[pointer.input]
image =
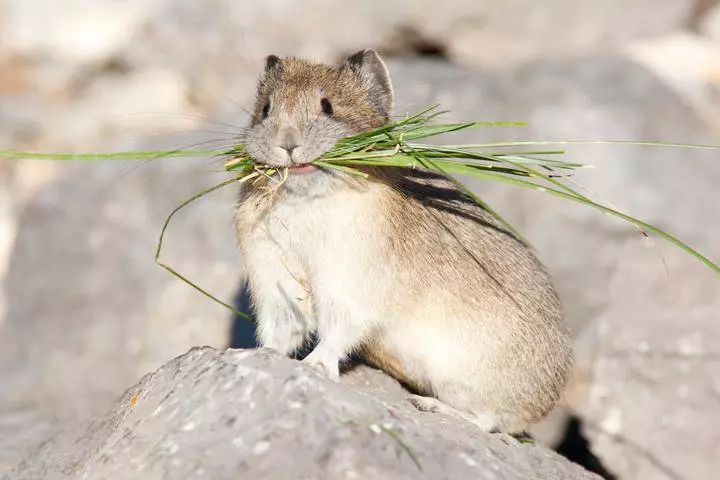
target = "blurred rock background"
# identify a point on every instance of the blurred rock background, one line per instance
(84, 311)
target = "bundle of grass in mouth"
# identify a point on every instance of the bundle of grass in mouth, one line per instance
(398, 144)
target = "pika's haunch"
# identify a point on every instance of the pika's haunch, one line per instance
(402, 267)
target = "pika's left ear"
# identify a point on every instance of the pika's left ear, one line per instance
(273, 64)
(371, 69)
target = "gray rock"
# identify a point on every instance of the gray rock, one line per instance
(219, 44)
(689, 63)
(254, 414)
(482, 32)
(653, 402)
(710, 23)
(505, 33)
(59, 30)
(70, 31)
(88, 311)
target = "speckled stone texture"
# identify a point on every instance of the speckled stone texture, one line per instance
(254, 414)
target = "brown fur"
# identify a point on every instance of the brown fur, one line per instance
(460, 308)
(379, 356)
(350, 100)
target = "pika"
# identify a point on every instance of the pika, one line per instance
(402, 267)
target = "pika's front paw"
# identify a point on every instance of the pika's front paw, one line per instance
(326, 364)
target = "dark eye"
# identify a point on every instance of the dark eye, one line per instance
(326, 106)
(266, 110)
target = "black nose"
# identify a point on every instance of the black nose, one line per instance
(289, 146)
(289, 140)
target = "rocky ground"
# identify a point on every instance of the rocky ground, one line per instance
(85, 313)
(254, 414)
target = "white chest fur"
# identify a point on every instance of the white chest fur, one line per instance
(309, 254)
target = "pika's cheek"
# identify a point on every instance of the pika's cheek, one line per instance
(258, 145)
(320, 138)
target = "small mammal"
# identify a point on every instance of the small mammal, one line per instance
(402, 268)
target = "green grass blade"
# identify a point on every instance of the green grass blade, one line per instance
(139, 155)
(403, 444)
(610, 211)
(537, 174)
(426, 131)
(341, 168)
(456, 152)
(244, 165)
(161, 239)
(393, 434)
(588, 142)
(542, 162)
(558, 184)
(433, 165)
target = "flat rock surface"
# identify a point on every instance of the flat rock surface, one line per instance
(253, 414)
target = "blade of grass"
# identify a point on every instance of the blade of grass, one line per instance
(561, 185)
(426, 131)
(161, 239)
(610, 211)
(342, 168)
(407, 161)
(393, 434)
(433, 165)
(139, 155)
(403, 444)
(588, 142)
(388, 146)
(467, 153)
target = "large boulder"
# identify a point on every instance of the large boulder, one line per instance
(87, 310)
(254, 414)
(60, 31)
(218, 44)
(653, 400)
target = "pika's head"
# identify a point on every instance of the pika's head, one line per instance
(304, 108)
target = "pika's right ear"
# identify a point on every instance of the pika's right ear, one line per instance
(273, 63)
(368, 65)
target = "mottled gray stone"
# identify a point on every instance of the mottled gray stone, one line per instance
(254, 414)
(710, 23)
(87, 310)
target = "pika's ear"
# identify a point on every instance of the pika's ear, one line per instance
(273, 63)
(371, 69)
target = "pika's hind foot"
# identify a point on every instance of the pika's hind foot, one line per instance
(483, 421)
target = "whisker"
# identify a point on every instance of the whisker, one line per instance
(238, 104)
(190, 117)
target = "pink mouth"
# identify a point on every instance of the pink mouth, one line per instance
(306, 168)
